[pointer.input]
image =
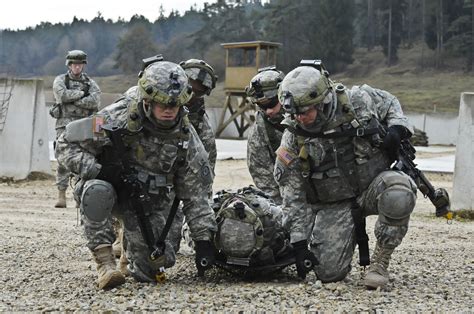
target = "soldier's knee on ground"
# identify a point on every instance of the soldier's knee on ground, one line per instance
(397, 201)
(98, 199)
(330, 272)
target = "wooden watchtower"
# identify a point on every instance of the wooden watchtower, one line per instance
(243, 59)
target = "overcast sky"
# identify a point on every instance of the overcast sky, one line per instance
(19, 14)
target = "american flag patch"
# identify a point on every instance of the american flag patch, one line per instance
(285, 156)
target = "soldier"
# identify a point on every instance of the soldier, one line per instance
(265, 136)
(150, 160)
(77, 96)
(203, 80)
(334, 170)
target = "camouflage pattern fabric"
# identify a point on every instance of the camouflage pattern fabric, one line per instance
(329, 226)
(155, 154)
(200, 120)
(263, 141)
(72, 101)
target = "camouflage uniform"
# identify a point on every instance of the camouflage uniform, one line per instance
(322, 178)
(201, 73)
(172, 162)
(263, 141)
(200, 121)
(75, 104)
(265, 135)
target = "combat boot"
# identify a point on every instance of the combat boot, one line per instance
(61, 203)
(117, 245)
(378, 275)
(108, 276)
(123, 263)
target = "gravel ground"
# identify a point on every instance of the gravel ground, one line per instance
(45, 266)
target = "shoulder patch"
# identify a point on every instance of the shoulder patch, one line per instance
(285, 156)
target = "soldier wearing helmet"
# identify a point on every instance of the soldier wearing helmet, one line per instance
(203, 80)
(77, 96)
(265, 136)
(334, 170)
(138, 159)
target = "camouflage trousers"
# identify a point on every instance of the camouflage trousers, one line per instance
(62, 173)
(333, 234)
(137, 250)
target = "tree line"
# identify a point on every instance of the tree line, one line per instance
(325, 29)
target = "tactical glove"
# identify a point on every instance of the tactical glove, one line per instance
(205, 256)
(391, 141)
(305, 259)
(86, 90)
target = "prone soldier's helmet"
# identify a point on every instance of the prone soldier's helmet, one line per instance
(201, 71)
(164, 83)
(263, 87)
(308, 86)
(76, 56)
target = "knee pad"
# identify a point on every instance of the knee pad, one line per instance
(397, 201)
(98, 199)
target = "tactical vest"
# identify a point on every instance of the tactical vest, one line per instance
(158, 184)
(342, 161)
(69, 110)
(272, 133)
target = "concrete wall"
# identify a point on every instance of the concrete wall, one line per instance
(24, 139)
(463, 185)
(441, 128)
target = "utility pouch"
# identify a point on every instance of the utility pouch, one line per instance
(55, 111)
(332, 186)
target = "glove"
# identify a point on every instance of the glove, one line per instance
(305, 259)
(86, 90)
(391, 141)
(205, 256)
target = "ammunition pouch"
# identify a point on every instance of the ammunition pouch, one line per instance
(347, 176)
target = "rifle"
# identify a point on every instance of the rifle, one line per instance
(138, 198)
(438, 196)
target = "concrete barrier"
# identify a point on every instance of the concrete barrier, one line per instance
(441, 128)
(463, 185)
(24, 138)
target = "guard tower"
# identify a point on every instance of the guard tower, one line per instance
(243, 59)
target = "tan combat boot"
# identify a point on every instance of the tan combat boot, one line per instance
(61, 203)
(108, 276)
(378, 275)
(117, 245)
(123, 262)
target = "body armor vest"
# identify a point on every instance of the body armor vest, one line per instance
(340, 167)
(69, 110)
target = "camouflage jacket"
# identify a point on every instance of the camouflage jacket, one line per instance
(70, 93)
(263, 141)
(200, 120)
(174, 162)
(292, 173)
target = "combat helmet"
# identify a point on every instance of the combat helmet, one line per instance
(201, 71)
(164, 83)
(76, 56)
(263, 87)
(308, 86)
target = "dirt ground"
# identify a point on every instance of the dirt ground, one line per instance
(45, 266)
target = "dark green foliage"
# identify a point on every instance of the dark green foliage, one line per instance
(308, 29)
(134, 46)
